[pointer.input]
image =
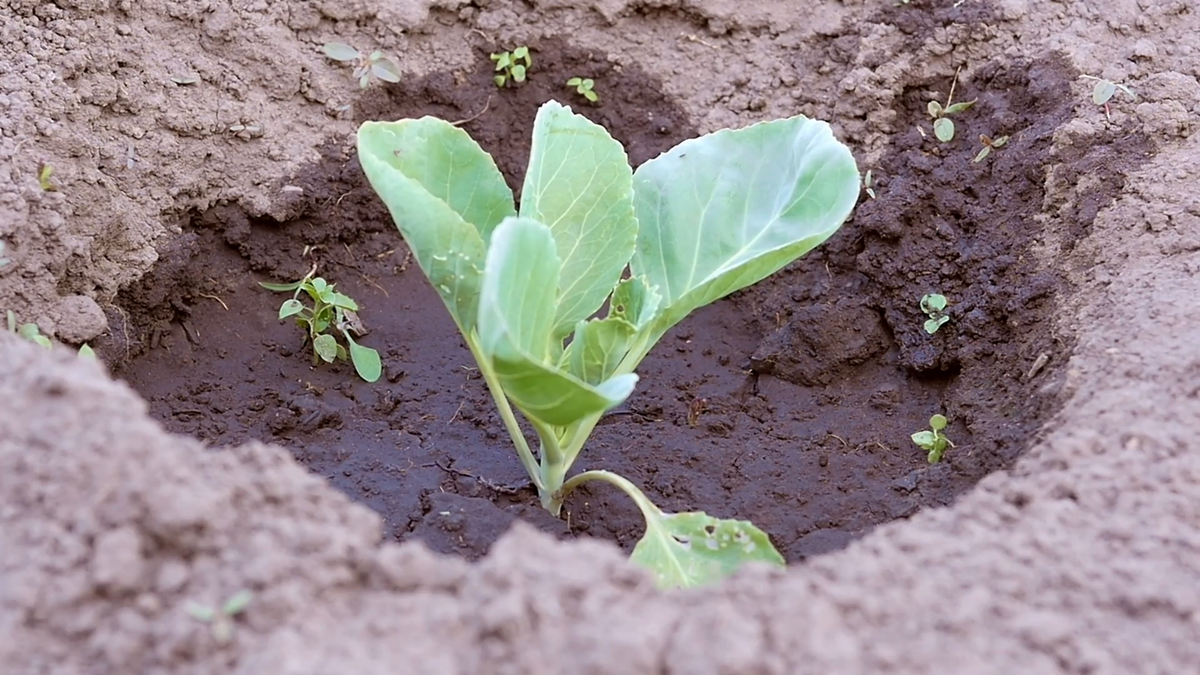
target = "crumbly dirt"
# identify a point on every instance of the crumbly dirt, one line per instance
(1077, 242)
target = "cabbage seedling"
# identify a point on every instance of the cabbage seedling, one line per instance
(585, 87)
(367, 69)
(330, 310)
(933, 440)
(541, 294)
(934, 306)
(512, 66)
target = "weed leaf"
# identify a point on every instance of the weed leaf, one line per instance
(281, 287)
(339, 51)
(326, 347)
(1103, 92)
(366, 360)
(943, 128)
(290, 307)
(386, 70)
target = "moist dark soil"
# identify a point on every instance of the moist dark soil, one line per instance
(790, 403)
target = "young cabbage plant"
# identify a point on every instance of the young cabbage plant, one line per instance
(526, 286)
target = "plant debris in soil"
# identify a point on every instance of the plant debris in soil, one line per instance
(791, 402)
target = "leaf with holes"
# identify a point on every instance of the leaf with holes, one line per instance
(540, 296)
(694, 549)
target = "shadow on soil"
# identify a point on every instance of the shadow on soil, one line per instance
(790, 403)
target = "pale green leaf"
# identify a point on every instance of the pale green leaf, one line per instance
(281, 287)
(86, 352)
(924, 439)
(724, 211)
(237, 603)
(199, 612)
(326, 347)
(1103, 92)
(598, 347)
(635, 301)
(517, 303)
(340, 51)
(290, 307)
(694, 549)
(340, 300)
(386, 70)
(937, 422)
(961, 106)
(516, 315)
(445, 195)
(943, 128)
(366, 360)
(579, 184)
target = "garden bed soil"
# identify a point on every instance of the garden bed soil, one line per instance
(790, 403)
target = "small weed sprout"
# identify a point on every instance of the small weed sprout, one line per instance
(367, 69)
(943, 126)
(1105, 90)
(31, 332)
(3, 261)
(330, 310)
(869, 184)
(512, 66)
(934, 306)
(989, 144)
(221, 621)
(584, 86)
(44, 173)
(934, 441)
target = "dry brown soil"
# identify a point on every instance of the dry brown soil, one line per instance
(1060, 535)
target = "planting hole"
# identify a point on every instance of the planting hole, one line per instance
(812, 381)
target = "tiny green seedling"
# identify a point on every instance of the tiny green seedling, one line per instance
(330, 310)
(221, 621)
(512, 66)
(45, 171)
(934, 306)
(31, 332)
(934, 441)
(584, 86)
(1105, 90)
(943, 126)
(990, 144)
(869, 184)
(367, 69)
(3, 261)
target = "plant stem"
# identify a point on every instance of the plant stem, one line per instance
(510, 420)
(649, 510)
